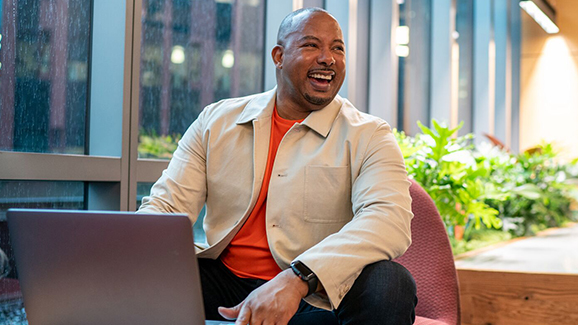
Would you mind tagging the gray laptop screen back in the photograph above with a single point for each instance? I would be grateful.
(106, 268)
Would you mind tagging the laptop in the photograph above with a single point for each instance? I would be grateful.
(87, 267)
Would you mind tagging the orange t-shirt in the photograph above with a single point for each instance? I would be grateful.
(248, 255)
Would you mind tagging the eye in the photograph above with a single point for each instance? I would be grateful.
(339, 48)
(309, 45)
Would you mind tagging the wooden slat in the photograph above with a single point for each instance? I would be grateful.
(496, 298)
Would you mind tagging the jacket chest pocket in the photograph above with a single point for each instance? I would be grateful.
(327, 194)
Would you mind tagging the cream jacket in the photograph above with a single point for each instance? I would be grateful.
(338, 196)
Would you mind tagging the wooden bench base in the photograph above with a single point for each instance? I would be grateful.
(496, 298)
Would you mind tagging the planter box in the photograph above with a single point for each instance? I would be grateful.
(530, 281)
(493, 297)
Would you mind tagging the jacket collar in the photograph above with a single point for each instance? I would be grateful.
(322, 120)
(261, 106)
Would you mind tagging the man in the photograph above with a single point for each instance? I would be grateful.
(306, 197)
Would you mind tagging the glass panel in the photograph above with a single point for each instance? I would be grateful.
(194, 53)
(414, 65)
(143, 189)
(465, 41)
(40, 195)
(43, 75)
(28, 194)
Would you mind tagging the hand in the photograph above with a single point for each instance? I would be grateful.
(275, 302)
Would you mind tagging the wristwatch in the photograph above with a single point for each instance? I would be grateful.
(305, 274)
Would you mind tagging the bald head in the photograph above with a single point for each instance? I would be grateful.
(292, 21)
(310, 62)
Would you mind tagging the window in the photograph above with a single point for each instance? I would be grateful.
(194, 53)
(40, 195)
(44, 75)
(78, 87)
(414, 69)
(465, 29)
(143, 189)
(45, 112)
(35, 195)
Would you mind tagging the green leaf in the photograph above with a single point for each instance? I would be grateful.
(529, 191)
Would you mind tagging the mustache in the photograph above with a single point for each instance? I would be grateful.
(322, 70)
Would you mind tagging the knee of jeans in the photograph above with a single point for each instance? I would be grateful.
(383, 287)
(389, 276)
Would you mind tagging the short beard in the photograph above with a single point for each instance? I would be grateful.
(320, 101)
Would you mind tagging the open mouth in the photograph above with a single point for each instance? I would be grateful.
(321, 79)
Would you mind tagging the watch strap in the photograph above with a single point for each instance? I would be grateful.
(312, 281)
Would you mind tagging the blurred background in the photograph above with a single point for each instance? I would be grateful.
(94, 96)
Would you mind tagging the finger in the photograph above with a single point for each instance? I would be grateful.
(232, 312)
(244, 316)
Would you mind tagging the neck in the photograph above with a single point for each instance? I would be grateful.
(291, 115)
(291, 110)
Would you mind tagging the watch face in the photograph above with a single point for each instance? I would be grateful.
(303, 270)
(305, 274)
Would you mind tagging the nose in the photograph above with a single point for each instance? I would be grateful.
(326, 58)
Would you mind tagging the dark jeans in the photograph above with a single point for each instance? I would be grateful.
(384, 293)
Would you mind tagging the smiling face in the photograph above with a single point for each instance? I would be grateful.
(310, 61)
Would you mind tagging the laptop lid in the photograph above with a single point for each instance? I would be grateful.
(83, 267)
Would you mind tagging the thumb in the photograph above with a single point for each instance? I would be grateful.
(230, 313)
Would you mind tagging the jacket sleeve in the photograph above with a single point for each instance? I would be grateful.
(380, 228)
(182, 188)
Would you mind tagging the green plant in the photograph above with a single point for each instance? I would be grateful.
(445, 166)
(537, 188)
(486, 185)
(478, 239)
(154, 146)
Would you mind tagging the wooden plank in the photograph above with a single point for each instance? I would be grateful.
(513, 298)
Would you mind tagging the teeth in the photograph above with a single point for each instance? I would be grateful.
(321, 76)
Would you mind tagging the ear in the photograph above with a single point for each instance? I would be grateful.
(277, 55)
